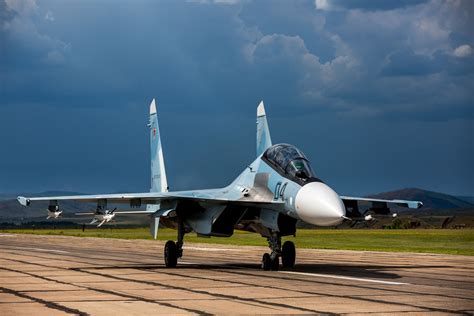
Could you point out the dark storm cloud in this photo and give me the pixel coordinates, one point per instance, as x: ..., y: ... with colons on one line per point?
x: 409, y: 64
x: 351, y: 83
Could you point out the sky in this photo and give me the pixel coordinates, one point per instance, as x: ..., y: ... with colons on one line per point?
x: 378, y: 94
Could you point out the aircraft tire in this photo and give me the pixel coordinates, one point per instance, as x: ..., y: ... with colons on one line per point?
x: 276, y: 263
x: 171, y: 254
x: 266, y: 262
x: 288, y: 254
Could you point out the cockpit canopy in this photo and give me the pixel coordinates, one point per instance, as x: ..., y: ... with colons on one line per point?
x: 290, y: 162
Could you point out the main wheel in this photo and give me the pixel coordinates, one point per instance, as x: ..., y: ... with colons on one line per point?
x: 288, y: 254
x: 171, y: 254
x: 266, y: 262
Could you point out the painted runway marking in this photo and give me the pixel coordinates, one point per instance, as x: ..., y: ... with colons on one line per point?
x: 344, y: 277
x: 40, y: 249
x: 332, y: 276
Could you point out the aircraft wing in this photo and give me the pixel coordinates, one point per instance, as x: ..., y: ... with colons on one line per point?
x: 378, y: 206
x: 403, y: 203
x: 213, y: 196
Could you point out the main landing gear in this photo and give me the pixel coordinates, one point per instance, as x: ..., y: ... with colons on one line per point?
x: 287, y: 254
x: 173, y: 250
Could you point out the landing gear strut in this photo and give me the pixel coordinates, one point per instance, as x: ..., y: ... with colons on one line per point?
x: 272, y: 261
x: 173, y: 250
x: 287, y: 254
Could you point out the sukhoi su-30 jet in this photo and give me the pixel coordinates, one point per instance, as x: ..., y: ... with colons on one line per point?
x: 272, y: 193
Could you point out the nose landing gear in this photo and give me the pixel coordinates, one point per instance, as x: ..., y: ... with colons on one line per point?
x: 269, y: 263
x: 266, y: 262
x: 287, y: 254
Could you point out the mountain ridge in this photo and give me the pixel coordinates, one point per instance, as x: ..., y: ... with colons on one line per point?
x: 430, y: 199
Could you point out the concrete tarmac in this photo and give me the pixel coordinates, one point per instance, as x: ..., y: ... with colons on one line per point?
x: 56, y: 275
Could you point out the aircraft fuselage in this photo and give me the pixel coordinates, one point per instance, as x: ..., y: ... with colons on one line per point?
x: 309, y: 200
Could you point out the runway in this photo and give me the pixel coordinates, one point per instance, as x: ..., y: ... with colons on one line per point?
x: 57, y: 275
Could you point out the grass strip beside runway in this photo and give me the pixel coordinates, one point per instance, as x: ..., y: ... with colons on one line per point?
x: 444, y: 241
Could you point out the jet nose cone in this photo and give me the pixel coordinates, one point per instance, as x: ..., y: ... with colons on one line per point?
x: 318, y: 204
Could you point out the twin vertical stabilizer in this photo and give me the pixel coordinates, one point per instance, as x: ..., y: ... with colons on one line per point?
x: 159, y: 183
x: 263, y: 133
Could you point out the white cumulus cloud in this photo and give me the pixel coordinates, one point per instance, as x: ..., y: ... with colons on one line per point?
x: 322, y: 4
x: 24, y: 7
x: 463, y: 51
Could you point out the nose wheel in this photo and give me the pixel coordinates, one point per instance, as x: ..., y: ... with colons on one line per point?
x: 287, y: 254
x: 269, y: 263
x: 266, y: 262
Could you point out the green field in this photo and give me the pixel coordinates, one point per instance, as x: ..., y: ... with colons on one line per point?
x: 444, y: 241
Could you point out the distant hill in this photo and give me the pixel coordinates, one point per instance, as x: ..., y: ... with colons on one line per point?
x: 469, y: 199
x: 430, y: 199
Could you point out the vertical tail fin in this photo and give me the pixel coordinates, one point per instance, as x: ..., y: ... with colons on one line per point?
x: 263, y: 133
x: 159, y: 183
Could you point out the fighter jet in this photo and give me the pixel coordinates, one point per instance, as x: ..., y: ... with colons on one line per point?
x: 274, y: 192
